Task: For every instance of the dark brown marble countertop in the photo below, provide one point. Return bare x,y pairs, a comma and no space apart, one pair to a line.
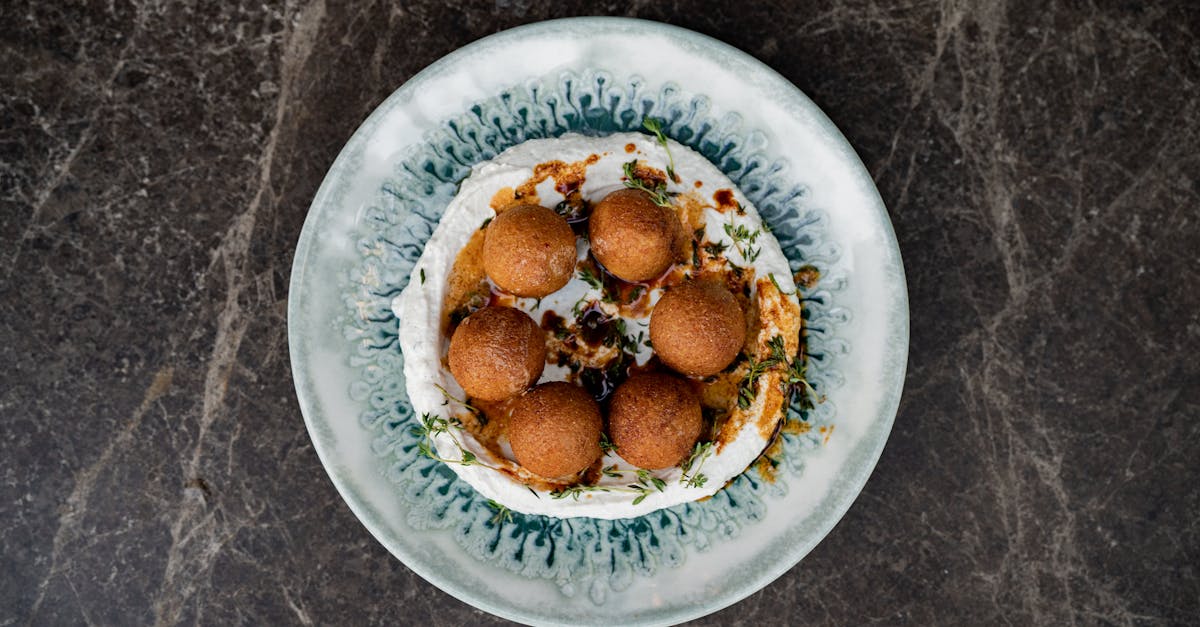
1041,162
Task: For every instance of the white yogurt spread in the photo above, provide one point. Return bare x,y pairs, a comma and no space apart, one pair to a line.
419,308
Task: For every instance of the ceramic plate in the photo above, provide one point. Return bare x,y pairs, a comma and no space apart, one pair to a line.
380,203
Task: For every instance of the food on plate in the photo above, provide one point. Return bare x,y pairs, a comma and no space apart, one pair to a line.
653,300
496,353
698,328
635,239
529,250
654,420
555,429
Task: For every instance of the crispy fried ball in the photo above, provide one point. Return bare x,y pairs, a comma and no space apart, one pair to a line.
555,429
497,352
697,328
654,419
529,251
634,238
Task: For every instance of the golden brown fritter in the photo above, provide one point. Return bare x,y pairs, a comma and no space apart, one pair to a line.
555,429
529,251
697,328
654,419
634,238
497,352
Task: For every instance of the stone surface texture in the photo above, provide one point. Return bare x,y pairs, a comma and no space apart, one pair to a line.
1041,162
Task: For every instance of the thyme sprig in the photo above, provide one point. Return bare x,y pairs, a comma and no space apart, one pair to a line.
590,277
795,380
658,195
777,356
503,514
776,284
574,491
606,445
654,125
475,411
743,240
644,485
580,305
715,249
430,427
693,462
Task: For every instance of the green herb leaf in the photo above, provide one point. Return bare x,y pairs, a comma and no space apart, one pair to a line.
654,125
658,194
776,284
743,240
699,454
590,277
503,514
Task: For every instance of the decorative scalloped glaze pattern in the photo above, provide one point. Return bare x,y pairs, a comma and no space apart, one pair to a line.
582,556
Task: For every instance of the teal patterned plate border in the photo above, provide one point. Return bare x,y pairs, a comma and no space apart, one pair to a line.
381,201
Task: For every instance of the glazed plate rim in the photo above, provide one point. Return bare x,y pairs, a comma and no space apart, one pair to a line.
847,486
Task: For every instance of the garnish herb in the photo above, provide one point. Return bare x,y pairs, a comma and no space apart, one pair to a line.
485,223
579,306
715,249
743,240
692,478
422,276
658,194
795,380
654,125
432,426
475,411
756,368
590,277
606,445
503,514
643,486
635,293
574,491
644,476
776,284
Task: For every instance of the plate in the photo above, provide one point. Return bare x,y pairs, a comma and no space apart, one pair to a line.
379,204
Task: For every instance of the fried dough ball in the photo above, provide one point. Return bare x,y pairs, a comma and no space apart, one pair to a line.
497,352
555,429
654,419
697,328
529,251
634,238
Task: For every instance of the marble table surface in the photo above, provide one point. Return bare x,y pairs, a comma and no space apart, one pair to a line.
1041,162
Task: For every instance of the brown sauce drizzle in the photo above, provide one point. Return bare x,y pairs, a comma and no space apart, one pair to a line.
506,198
725,200
568,177
467,288
651,176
